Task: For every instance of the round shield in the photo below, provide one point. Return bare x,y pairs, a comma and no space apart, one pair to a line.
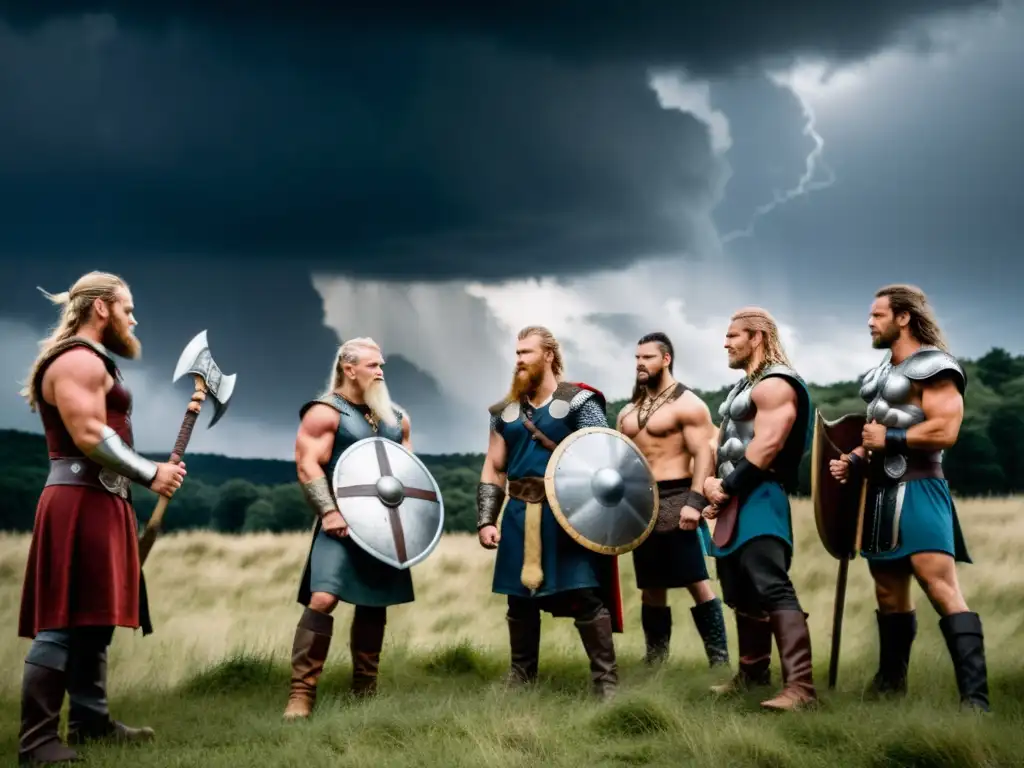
602,491
389,499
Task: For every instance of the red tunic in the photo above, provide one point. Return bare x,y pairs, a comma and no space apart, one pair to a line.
83,564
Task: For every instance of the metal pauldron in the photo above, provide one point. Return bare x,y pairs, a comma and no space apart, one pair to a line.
489,498
319,497
115,455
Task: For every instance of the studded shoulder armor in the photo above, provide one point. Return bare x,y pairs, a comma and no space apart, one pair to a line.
929,362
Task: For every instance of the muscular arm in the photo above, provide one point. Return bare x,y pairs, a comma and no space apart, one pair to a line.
943,407
312,450
78,382
775,416
406,432
698,437
490,492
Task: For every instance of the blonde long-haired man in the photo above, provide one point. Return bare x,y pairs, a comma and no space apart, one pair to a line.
766,422
539,412
911,530
356,405
83,577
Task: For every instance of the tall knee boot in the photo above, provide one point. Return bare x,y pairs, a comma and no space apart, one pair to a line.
365,643
524,649
754,637
309,652
966,642
599,644
896,633
710,623
657,624
42,695
794,640
88,714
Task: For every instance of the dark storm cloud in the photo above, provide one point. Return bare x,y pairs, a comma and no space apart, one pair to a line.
411,141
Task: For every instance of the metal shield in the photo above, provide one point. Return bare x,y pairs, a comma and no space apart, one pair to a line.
602,491
837,506
389,499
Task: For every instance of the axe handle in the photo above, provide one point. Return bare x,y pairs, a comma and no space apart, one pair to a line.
180,446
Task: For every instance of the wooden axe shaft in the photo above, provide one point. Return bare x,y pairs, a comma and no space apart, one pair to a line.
188,423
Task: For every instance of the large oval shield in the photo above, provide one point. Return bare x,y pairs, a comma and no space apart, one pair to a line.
838,507
602,491
390,501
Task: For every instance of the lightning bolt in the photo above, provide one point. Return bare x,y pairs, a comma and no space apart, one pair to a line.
814,163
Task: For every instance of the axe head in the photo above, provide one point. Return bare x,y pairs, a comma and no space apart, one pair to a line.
197,360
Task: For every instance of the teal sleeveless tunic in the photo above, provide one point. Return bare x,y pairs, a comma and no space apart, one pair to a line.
340,567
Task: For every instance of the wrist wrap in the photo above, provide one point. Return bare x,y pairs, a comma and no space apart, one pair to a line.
745,478
489,498
115,454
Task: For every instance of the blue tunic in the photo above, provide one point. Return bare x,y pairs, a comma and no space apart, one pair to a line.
340,567
765,510
928,522
566,564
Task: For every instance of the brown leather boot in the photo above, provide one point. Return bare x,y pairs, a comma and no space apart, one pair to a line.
88,716
309,652
42,695
599,644
794,640
754,637
524,650
365,643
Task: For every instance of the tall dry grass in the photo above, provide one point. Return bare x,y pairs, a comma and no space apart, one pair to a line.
213,596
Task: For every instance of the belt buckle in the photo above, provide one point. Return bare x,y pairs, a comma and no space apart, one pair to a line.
113,482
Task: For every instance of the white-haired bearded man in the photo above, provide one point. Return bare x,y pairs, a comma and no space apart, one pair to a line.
356,406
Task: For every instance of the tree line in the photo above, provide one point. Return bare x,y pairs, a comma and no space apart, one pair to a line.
249,495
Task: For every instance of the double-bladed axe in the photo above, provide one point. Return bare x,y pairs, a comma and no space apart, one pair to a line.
209,380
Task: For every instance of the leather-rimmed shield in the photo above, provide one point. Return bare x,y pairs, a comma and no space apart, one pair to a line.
837,506
602,490
389,499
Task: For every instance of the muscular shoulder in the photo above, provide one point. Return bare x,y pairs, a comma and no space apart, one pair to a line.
691,409
319,418
81,365
774,392
930,364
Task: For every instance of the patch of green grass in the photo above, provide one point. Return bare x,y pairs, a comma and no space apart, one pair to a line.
446,708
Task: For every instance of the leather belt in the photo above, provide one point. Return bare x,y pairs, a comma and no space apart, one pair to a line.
81,471
528,489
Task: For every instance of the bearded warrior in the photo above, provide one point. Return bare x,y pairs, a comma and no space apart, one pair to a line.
910,526
83,577
765,429
539,567
357,405
673,428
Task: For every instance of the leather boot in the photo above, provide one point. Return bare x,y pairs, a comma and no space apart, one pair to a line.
309,652
896,633
524,649
710,623
599,644
88,716
794,640
657,625
42,695
754,637
365,642
966,642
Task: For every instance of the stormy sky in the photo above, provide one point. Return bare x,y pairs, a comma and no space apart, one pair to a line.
439,175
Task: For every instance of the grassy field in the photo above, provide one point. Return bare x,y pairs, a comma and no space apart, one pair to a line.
213,679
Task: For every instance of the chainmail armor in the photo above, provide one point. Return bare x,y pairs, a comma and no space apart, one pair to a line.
589,413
